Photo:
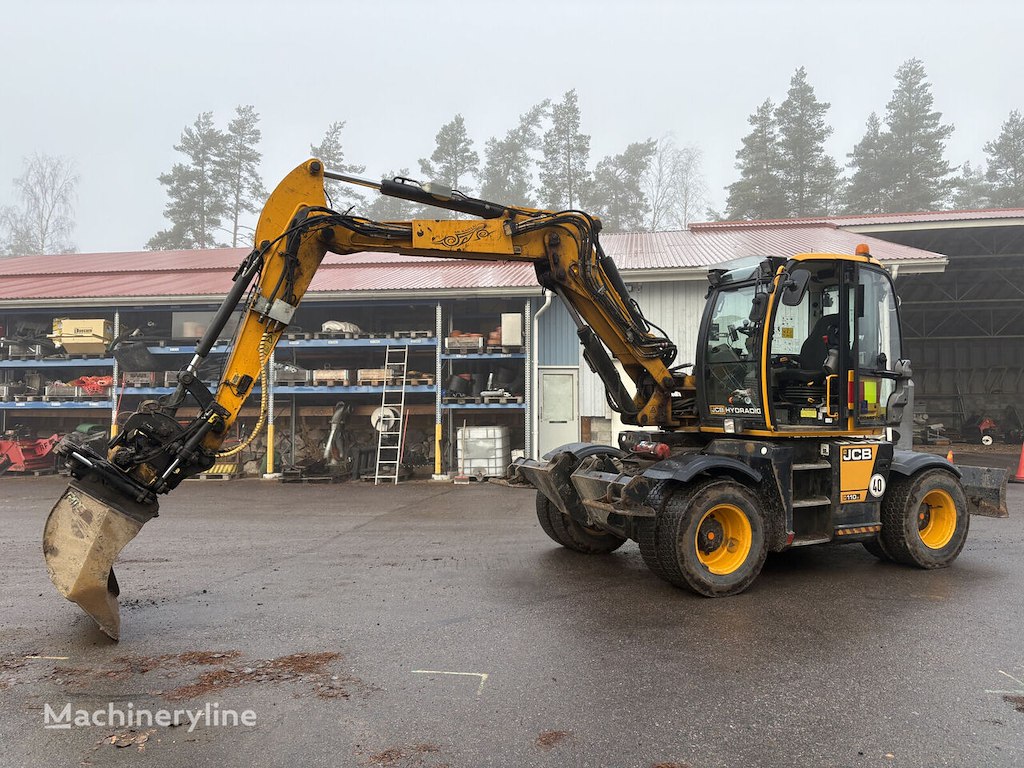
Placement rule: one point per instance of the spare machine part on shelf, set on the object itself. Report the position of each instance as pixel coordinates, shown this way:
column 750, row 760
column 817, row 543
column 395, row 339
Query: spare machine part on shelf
column 82, row 337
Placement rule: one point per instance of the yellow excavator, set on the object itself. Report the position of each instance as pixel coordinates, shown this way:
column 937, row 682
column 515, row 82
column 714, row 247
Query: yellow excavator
column 782, row 433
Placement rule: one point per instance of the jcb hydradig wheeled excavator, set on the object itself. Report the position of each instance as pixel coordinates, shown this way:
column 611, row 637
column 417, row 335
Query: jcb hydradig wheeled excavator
column 780, row 436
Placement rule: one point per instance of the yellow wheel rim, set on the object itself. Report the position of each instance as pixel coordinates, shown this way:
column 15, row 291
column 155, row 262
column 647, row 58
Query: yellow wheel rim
column 936, row 519
column 723, row 539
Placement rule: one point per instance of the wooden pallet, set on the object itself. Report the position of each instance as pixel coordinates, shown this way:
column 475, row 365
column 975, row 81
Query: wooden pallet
column 464, row 400
column 502, row 399
column 504, row 349
column 32, row 473
column 312, row 479
column 331, row 383
column 348, row 335
column 298, row 336
column 420, row 381
column 374, row 382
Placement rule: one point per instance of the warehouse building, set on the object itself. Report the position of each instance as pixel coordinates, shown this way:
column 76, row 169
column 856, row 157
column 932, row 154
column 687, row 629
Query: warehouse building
column 484, row 346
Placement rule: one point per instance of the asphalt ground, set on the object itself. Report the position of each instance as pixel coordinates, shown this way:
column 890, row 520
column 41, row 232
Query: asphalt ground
column 425, row 625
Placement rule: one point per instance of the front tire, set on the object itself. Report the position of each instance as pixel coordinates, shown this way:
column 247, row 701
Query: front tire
column 711, row 537
column 571, row 534
column 925, row 519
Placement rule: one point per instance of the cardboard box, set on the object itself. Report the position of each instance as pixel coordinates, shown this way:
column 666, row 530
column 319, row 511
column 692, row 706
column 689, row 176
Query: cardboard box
column 82, row 337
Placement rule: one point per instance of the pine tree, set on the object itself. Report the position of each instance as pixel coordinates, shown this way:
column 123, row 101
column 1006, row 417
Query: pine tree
column 196, row 190
column 332, row 153
column 759, row 193
column 916, row 174
column 970, row 191
column 506, row 177
column 616, row 193
column 239, row 168
column 453, row 159
column 864, row 192
column 566, row 152
column 808, row 175
column 1005, row 172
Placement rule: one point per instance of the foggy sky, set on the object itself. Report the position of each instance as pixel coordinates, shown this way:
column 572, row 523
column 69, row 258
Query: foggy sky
column 112, row 84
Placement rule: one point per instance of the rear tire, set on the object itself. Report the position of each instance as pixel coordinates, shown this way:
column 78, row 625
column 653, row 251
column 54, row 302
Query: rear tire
column 647, row 532
column 571, row 534
column 711, row 537
column 874, row 546
column 925, row 519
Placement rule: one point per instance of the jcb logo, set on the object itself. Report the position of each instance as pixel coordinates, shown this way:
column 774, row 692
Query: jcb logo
column 858, row 454
column 717, row 410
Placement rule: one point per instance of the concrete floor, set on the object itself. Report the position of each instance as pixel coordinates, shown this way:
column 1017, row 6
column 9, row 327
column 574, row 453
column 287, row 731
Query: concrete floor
column 340, row 612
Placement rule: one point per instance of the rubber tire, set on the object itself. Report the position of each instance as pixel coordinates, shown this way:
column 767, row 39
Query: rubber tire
column 677, row 530
column 570, row 534
column 647, row 532
column 874, row 546
column 900, row 537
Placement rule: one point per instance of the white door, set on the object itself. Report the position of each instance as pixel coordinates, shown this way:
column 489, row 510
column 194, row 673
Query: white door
column 559, row 408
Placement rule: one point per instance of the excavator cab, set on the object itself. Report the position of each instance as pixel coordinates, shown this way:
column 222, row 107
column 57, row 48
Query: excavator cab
column 802, row 346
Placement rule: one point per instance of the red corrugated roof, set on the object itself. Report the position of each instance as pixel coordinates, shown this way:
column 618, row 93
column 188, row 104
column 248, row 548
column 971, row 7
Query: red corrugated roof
column 209, row 273
column 877, row 219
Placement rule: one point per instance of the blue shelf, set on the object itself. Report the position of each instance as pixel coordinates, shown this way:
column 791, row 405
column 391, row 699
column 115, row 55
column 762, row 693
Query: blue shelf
column 186, row 349
column 486, row 356
column 483, row 406
column 58, row 362
column 329, row 343
column 289, row 390
column 354, row 390
column 58, row 405
column 220, row 349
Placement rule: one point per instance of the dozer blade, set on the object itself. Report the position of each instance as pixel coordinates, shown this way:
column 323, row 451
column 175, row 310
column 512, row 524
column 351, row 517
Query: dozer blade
column 85, row 532
column 985, row 488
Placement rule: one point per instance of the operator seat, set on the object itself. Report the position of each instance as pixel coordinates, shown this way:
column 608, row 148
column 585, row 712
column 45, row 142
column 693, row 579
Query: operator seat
column 813, row 356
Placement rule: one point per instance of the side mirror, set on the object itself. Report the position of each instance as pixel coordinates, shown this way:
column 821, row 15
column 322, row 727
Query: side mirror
column 758, row 307
column 794, row 287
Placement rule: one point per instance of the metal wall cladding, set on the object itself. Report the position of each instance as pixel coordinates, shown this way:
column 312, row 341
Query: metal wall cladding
column 557, row 342
column 676, row 307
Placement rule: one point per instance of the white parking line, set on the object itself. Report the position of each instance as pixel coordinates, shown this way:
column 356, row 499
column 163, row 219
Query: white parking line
column 482, row 675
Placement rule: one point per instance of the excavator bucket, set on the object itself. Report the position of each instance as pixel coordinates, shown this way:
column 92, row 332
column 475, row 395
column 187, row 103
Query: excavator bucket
column 85, row 532
column 985, row 488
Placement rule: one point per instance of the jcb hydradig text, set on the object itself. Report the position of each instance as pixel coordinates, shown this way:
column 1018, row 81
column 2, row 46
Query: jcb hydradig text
column 779, row 436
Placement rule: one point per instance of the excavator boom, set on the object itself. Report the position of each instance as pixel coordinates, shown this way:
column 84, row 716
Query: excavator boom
column 112, row 496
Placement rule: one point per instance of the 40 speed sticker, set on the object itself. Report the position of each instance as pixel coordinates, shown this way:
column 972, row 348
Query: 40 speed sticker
column 877, row 486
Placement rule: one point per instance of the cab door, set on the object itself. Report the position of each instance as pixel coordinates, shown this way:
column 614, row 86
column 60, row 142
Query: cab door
column 808, row 360
column 876, row 346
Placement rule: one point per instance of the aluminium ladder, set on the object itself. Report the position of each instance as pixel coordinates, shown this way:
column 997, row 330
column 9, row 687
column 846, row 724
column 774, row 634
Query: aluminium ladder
column 390, row 436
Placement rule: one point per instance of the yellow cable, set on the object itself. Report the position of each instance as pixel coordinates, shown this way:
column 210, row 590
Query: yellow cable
column 266, row 347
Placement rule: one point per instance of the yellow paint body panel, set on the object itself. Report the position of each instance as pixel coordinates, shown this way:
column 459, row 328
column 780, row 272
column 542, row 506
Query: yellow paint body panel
column 856, row 466
column 486, row 236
